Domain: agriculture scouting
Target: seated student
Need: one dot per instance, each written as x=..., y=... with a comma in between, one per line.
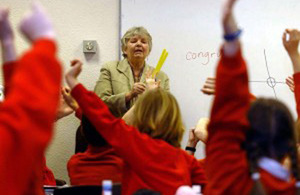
x=32, y=93
x=151, y=152
x=99, y=162
x=245, y=155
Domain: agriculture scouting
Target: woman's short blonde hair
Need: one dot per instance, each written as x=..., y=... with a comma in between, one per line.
x=132, y=32
x=157, y=114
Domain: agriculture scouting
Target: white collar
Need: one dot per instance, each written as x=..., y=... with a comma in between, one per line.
x=274, y=168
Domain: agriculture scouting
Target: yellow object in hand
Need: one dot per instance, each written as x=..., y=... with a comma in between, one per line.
x=160, y=63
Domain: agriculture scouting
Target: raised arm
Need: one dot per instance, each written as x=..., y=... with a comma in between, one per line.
x=290, y=40
x=6, y=37
x=9, y=56
x=29, y=110
x=228, y=123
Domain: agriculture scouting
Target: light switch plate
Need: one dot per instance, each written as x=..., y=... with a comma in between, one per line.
x=89, y=46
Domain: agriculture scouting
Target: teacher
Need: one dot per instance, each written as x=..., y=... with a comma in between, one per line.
x=121, y=82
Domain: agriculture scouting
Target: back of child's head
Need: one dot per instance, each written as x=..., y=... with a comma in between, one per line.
x=157, y=113
x=90, y=133
x=271, y=135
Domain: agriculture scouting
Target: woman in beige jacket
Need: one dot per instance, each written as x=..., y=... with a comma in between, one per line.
x=120, y=82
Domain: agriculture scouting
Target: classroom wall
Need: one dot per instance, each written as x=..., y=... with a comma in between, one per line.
x=74, y=21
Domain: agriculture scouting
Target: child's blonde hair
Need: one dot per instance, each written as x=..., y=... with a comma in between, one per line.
x=157, y=113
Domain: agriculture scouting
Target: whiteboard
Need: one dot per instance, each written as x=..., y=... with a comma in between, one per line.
x=190, y=30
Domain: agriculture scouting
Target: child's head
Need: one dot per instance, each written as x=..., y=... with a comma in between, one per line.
x=157, y=113
x=271, y=135
x=90, y=133
x=271, y=129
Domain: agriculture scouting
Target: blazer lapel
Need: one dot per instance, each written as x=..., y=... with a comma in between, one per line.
x=124, y=68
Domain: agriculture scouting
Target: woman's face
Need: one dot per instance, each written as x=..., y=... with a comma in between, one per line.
x=137, y=48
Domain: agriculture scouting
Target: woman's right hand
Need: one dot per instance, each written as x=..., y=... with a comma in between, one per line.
x=138, y=88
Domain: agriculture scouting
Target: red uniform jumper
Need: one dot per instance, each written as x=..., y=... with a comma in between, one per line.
x=26, y=118
x=8, y=71
x=226, y=162
x=149, y=163
x=297, y=92
x=94, y=165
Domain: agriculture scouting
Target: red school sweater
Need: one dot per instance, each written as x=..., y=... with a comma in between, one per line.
x=94, y=165
x=27, y=116
x=297, y=92
x=149, y=163
x=8, y=71
x=226, y=163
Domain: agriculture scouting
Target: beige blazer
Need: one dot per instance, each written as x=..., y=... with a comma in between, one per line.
x=116, y=79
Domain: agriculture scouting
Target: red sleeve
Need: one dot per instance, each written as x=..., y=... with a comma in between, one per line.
x=126, y=140
x=27, y=116
x=198, y=173
x=78, y=113
x=226, y=163
x=297, y=92
x=132, y=145
x=8, y=70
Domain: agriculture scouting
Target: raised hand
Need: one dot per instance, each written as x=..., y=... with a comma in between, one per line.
x=193, y=140
x=227, y=17
x=65, y=107
x=201, y=129
x=290, y=40
x=36, y=24
x=6, y=33
x=290, y=83
x=72, y=74
x=9, y=53
x=209, y=87
x=68, y=99
x=230, y=28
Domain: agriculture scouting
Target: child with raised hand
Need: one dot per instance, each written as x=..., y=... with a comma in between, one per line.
x=29, y=109
x=290, y=39
x=151, y=149
x=9, y=58
x=291, y=45
x=246, y=144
